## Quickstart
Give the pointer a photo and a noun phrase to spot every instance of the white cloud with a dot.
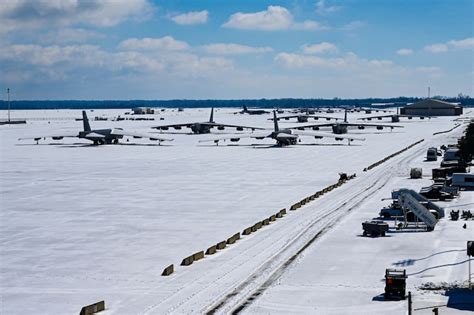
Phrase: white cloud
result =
(272, 19)
(463, 43)
(63, 63)
(234, 49)
(437, 48)
(291, 60)
(27, 14)
(275, 18)
(163, 43)
(320, 48)
(405, 52)
(353, 25)
(190, 18)
(69, 35)
(309, 25)
(323, 9)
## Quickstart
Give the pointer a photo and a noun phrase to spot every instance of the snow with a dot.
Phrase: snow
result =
(81, 223)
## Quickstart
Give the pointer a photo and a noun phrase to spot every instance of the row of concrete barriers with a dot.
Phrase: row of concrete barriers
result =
(319, 193)
(446, 131)
(99, 306)
(253, 228)
(391, 156)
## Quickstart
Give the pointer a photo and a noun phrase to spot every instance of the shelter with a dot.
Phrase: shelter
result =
(432, 107)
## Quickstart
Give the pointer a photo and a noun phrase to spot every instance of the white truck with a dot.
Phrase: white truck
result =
(463, 180)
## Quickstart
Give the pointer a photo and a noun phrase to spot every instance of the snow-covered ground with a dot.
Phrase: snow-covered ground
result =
(81, 223)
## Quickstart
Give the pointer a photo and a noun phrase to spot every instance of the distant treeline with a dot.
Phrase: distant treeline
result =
(260, 103)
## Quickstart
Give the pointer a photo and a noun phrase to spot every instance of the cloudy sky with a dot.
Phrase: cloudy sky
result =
(150, 49)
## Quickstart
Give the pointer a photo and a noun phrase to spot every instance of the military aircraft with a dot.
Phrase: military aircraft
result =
(302, 118)
(283, 136)
(341, 127)
(395, 117)
(204, 127)
(100, 136)
(252, 111)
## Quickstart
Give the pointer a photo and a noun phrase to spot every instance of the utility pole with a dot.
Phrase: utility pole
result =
(8, 98)
(409, 302)
(428, 92)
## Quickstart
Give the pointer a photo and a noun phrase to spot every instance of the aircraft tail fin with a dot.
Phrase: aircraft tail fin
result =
(275, 121)
(398, 110)
(245, 108)
(345, 116)
(85, 121)
(211, 119)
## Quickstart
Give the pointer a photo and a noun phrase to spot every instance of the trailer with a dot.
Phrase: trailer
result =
(374, 228)
(395, 283)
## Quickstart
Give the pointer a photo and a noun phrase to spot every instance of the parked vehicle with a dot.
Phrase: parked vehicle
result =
(395, 283)
(435, 192)
(374, 228)
(462, 180)
(432, 154)
(451, 154)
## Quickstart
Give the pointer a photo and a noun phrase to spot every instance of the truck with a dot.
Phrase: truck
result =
(463, 180)
(374, 228)
(395, 283)
(432, 154)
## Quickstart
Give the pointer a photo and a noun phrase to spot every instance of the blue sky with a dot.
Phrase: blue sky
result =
(147, 49)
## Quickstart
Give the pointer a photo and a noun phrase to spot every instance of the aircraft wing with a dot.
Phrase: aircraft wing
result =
(54, 137)
(407, 116)
(311, 126)
(237, 137)
(375, 117)
(287, 117)
(372, 125)
(324, 117)
(165, 127)
(231, 126)
(325, 135)
(139, 135)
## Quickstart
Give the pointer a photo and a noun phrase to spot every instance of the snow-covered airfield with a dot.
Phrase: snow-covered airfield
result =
(82, 223)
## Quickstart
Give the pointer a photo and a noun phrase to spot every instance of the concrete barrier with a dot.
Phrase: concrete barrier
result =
(266, 222)
(272, 217)
(256, 226)
(211, 250)
(93, 308)
(233, 238)
(198, 255)
(278, 215)
(168, 270)
(295, 206)
(187, 261)
(247, 231)
(221, 245)
(283, 211)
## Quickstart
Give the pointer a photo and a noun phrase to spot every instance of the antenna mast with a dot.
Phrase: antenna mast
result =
(8, 98)
(428, 92)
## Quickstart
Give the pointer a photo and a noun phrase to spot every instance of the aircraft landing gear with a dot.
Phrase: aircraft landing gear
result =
(116, 141)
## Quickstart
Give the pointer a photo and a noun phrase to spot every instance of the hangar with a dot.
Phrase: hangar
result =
(432, 107)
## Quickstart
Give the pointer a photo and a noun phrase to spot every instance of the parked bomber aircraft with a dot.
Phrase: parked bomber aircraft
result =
(204, 127)
(302, 118)
(341, 127)
(395, 117)
(284, 136)
(100, 136)
(245, 110)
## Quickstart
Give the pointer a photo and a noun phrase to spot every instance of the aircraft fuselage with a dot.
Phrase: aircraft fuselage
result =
(104, 136)
(339, 129)
(200, 128)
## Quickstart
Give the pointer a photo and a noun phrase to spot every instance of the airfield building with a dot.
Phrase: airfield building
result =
(142, 110)
(432, 107)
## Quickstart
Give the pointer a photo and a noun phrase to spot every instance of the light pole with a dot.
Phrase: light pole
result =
(8, 100)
